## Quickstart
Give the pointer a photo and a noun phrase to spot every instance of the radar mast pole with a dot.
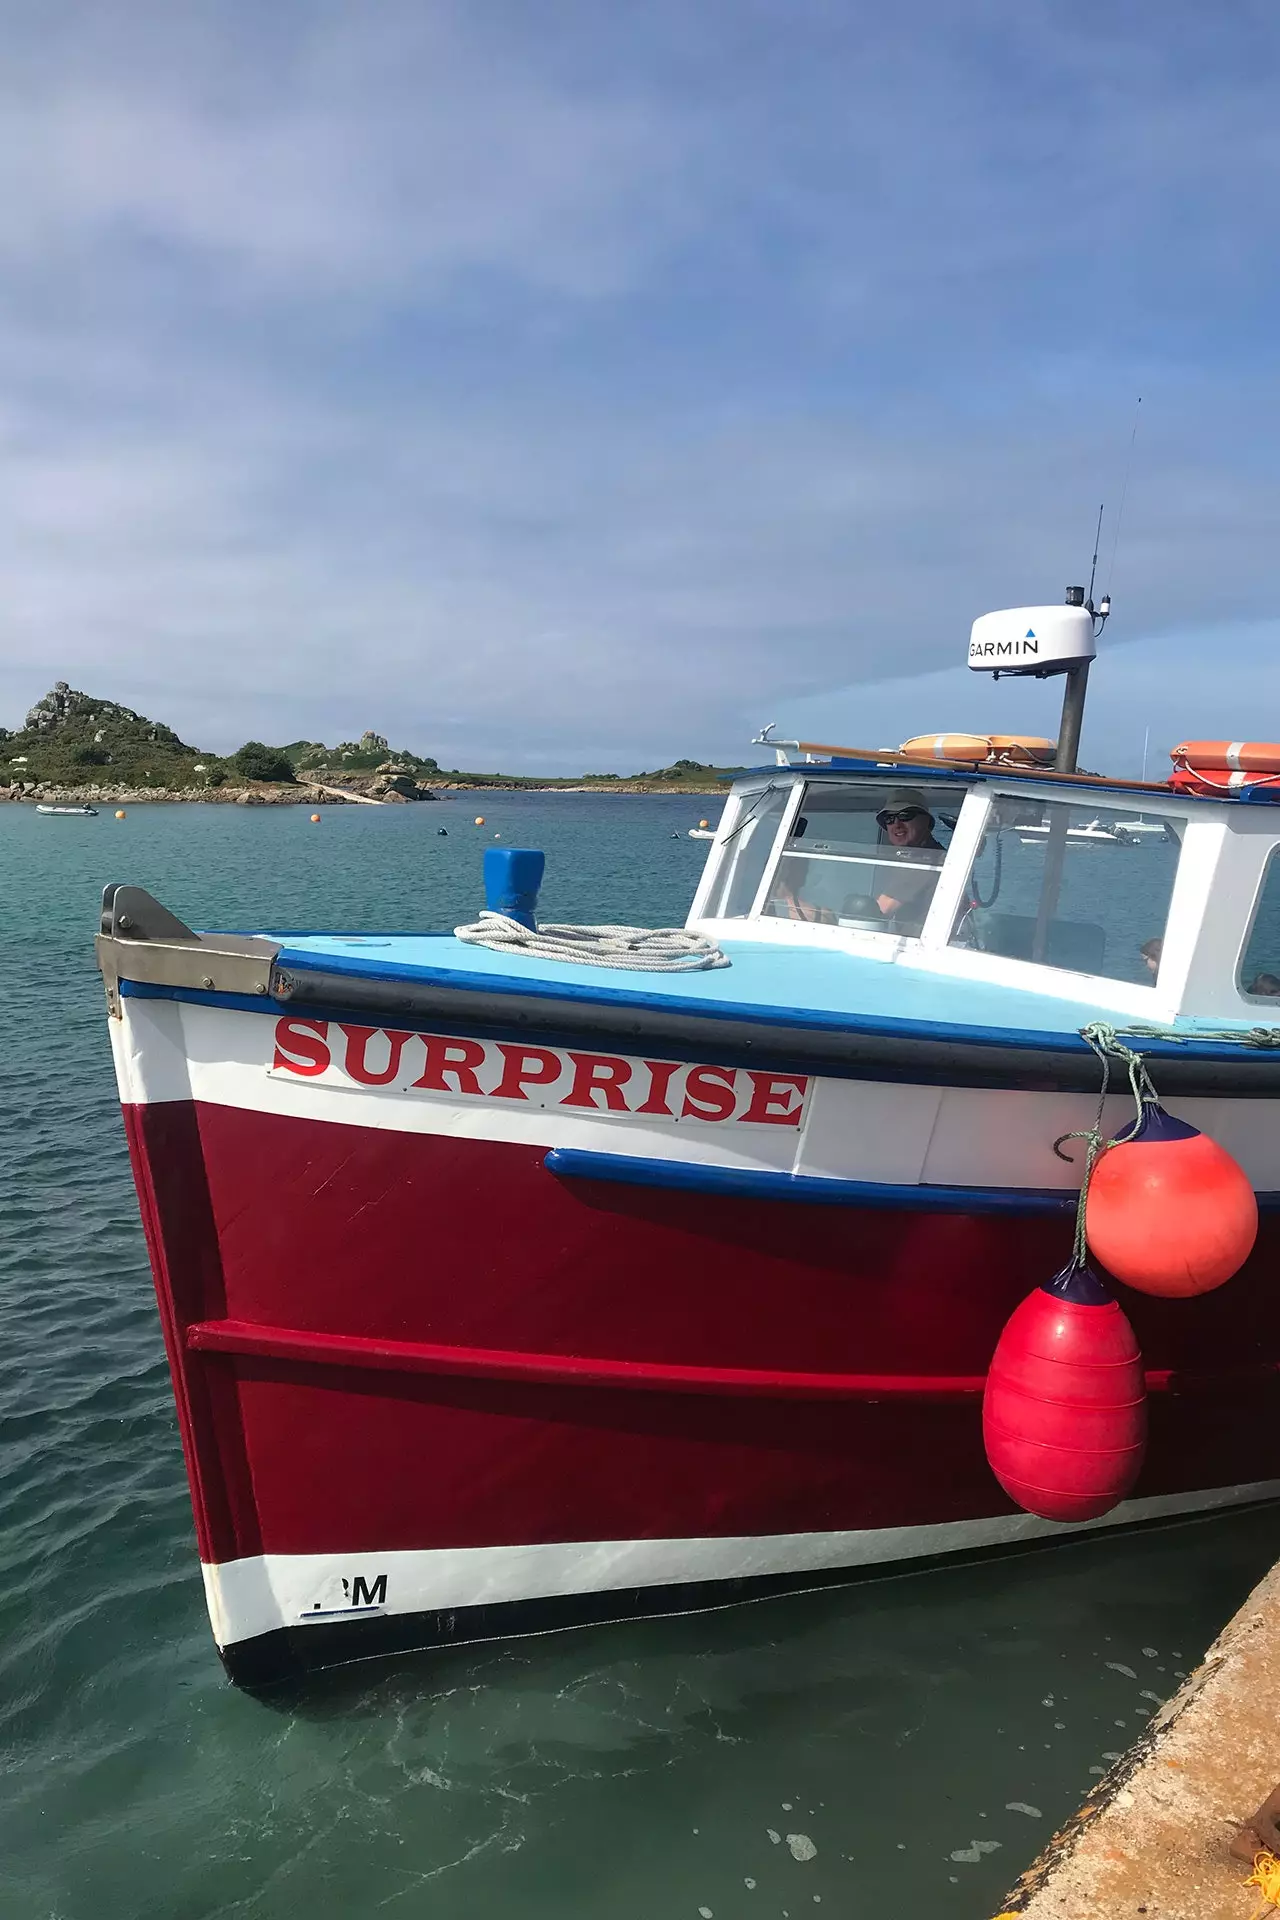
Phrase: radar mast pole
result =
(1073, 692)
(1068, 753)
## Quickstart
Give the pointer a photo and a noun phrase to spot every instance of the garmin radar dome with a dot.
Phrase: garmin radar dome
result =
(1040, 640)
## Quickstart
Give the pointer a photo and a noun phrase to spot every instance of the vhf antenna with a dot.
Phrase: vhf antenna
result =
(1093, 571)
(1124, 491)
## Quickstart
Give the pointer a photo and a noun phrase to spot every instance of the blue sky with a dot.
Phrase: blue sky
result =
(558, 386)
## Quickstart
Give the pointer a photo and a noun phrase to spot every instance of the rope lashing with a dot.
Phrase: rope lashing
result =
(1241, 1036)
(642, 949)
(1107, 1044)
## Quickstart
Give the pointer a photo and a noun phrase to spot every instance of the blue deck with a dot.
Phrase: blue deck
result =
(781, 985)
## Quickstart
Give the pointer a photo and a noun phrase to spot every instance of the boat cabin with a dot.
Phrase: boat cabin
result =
(1142, 901)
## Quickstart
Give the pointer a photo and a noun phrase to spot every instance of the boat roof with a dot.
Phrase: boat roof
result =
(903, 770)
(783, 985)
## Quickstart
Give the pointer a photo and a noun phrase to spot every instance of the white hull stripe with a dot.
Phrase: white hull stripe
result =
(254, 1596)
(878, 1131)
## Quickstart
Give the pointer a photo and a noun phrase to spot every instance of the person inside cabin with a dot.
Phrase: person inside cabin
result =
(789, 896)
(907, 825)
(1267, 985)
(1151, 951)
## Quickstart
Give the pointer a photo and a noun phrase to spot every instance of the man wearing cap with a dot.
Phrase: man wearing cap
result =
(907, 824)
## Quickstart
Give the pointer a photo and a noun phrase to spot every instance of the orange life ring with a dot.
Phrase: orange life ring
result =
(1030, 745)
(948, 746)
(1217, 781)
(1228, 756)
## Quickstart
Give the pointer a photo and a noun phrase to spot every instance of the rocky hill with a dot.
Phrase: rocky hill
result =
(369, 754)
(77, 739)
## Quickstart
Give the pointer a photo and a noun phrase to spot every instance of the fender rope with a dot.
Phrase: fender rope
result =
(1107, 1044)
(645, 949)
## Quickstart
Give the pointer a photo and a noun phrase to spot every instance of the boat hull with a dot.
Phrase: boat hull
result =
(451, 1361)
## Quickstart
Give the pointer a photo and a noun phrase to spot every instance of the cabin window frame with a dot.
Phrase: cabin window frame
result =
(1204, 943)
(1188, 897)
(966, 841)
(780, 839)
(715, 873)
(884, 942)
(1254, 1000)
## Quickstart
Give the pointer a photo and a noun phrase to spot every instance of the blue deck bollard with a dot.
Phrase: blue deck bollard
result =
(512, 876)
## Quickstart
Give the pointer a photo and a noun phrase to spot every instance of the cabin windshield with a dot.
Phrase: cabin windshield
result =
(1078, 887)
(866, 857)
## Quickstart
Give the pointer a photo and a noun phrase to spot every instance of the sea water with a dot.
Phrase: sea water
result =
(903, 1745)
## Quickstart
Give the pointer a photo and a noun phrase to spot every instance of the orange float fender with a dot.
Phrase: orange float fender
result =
(1168, 1210)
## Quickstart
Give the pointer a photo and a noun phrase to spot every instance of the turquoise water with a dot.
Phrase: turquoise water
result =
(917, 1737)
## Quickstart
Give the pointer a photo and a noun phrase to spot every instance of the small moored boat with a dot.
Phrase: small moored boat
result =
(1094, 833)
(82, 813)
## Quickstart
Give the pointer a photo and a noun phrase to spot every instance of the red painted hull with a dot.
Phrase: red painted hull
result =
(427, 1244)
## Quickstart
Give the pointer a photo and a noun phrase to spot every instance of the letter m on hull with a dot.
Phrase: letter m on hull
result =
(364, 1595)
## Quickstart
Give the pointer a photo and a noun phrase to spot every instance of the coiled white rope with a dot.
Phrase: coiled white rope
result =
(647, 949)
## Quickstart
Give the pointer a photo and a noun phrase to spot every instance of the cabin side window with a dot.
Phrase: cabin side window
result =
(866, 857)
(744, 852)
(1258, 975)
(1072, 886)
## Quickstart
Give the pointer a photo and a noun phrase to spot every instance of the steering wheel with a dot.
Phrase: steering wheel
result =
(864, 911)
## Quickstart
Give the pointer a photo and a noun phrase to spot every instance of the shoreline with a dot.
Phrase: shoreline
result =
(299, 796)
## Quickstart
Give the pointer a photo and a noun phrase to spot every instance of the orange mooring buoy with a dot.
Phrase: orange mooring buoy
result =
(479, 819)
(1064, 1412)
(1169, 1211)
(120, 813)
(315, 819)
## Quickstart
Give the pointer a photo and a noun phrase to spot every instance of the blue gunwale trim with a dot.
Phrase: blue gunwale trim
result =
(719, 1050)
(1179, 1045)
(574, 1163)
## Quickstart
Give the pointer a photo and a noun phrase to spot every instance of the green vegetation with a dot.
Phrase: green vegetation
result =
(254, 761)
(372, 754)
(687, 773)
(369, 754)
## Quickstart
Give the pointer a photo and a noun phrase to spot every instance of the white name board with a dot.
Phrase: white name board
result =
(413, 1065)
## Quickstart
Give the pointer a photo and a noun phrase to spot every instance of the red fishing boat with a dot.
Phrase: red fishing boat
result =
(511, 1279)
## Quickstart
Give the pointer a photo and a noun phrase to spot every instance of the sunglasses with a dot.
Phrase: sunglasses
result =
(906, 815)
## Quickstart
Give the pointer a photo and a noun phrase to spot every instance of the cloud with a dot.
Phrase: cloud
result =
(596, 385)
(366, 155)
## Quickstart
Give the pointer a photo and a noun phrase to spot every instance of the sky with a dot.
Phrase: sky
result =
(559, 386)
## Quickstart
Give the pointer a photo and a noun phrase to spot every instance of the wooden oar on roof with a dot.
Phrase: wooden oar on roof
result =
(882, 756)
